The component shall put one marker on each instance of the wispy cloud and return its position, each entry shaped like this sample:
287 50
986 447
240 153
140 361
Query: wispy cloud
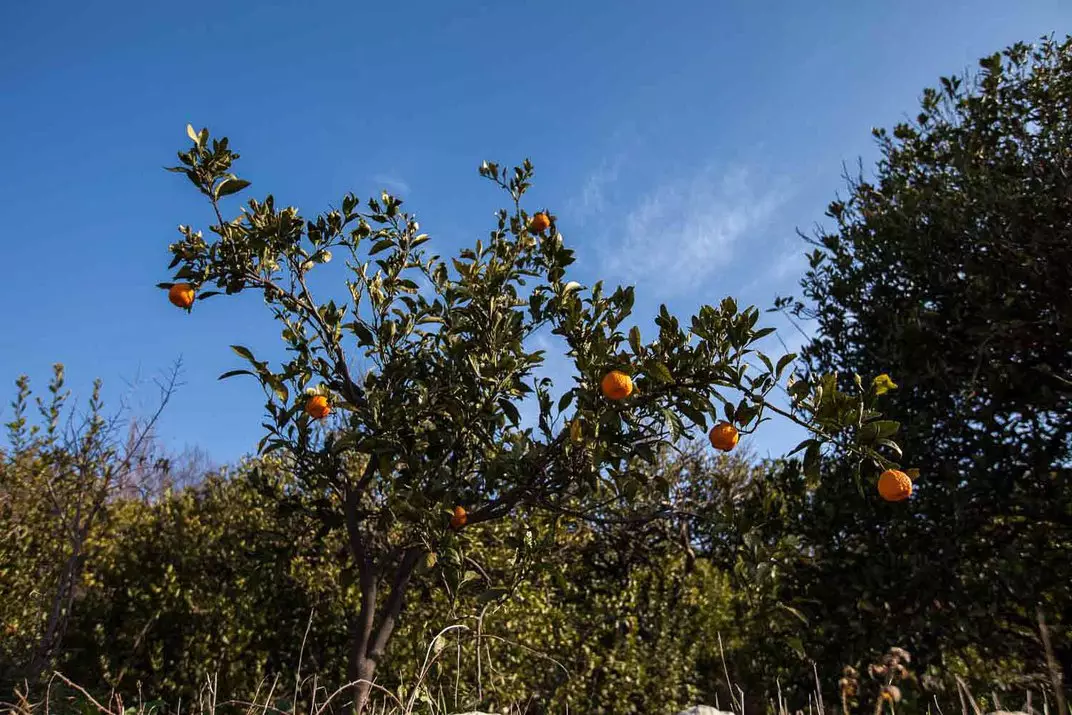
682 232
592 198
393 183
789 263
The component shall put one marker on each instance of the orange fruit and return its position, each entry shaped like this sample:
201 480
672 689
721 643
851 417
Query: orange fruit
616 385
181 295
539 223
317 407
459 518
724 436
894 485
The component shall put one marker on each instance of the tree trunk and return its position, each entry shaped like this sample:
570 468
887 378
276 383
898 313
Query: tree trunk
368 646
360 669
367 643
362 678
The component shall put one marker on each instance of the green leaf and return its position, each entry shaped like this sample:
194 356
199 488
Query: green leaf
511 410
867 434
230 186
345 442
278 388
244 352
634 340
382 244
762 333
886 428
746 413
232 373
784 361
800 616
492 594
658 371
890 444
676 426
800 446
190 132
363 333
697 417
811 461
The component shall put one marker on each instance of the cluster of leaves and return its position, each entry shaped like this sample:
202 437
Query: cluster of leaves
215 581
57 476
212 581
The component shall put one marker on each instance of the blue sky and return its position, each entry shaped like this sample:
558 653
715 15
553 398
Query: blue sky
680 143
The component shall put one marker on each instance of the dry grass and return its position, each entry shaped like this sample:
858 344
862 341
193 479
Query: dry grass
308 696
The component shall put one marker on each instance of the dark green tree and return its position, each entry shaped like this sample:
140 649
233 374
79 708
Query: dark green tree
951 270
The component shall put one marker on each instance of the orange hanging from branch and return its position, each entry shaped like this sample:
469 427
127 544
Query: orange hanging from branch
616 385
894 485
724 436
181 295
317 407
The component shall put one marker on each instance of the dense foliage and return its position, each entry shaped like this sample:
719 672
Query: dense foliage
214 581
952 268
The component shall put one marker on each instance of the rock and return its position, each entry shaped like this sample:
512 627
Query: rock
704 710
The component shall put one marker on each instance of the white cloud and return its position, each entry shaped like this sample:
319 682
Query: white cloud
392 183
681 233
781 274
592 198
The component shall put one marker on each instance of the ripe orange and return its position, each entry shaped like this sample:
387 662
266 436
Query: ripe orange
724 436
617 385
539 223
459 518
317 407
181 295
894 485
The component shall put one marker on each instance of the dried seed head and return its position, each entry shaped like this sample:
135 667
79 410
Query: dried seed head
891 692
901 654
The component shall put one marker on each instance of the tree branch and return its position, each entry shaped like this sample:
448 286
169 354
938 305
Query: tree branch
394 602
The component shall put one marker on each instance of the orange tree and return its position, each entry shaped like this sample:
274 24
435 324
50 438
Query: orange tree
433 421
